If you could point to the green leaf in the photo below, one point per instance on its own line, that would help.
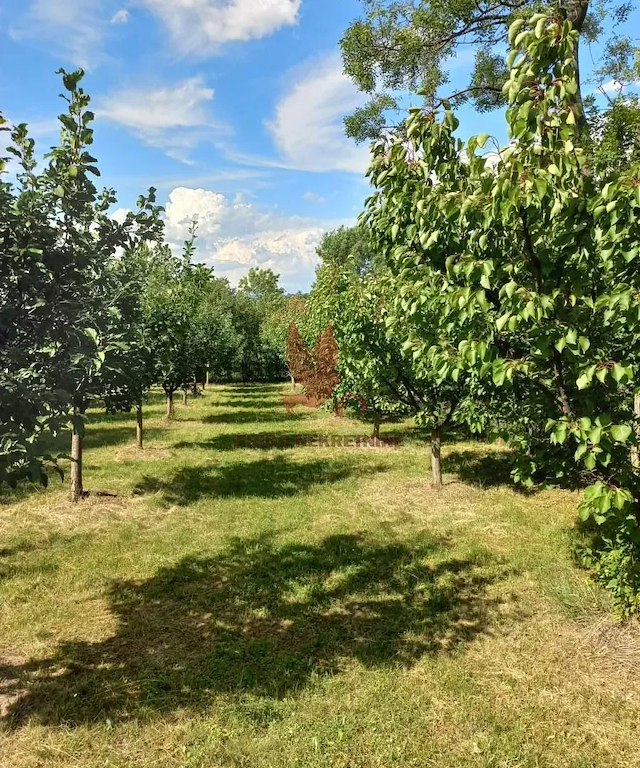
(621, 432)
(541, 186)
(618, 372)
(583, 381)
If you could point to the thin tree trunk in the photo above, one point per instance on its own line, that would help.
(206, 378)
(562, 390)
(576, 11)
(76, 466)
(293, 381)
(170, 408)
(139, 424)
(436, 465)
(376, 427)
(184, 396)
(635, 450)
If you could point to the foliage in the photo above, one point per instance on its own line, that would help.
(58, 329)
(615, 135)
(299, 358)
(401, 46)
(343, 254)
(135, 370)
(611, 551)
(277, 323)
(532, 261)
(258, 299)
(323, 378)
(168, 315)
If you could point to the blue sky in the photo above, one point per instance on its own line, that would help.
(231, 108)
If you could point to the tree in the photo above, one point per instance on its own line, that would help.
(616, 135)
(258, 298)
(343, 255)
(136, 369)
(276, 329)
(216, 336)
(535, 257)
(168, 317)
(261, 285)
(323, 378)
(299, 358)
(401, 46)
(57, 325)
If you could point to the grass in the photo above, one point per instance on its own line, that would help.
(248, 595)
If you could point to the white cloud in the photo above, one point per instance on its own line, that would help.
(71, 28)
(611, 86)
(174, 119)
(202, 26)
(120, 17)
(235, 235)
(614, 87)
(120, 214)
(75, 29)
(308, 128)
(311, 197)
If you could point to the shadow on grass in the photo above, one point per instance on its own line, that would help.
(253, 416)
(264, 478)
(102, 437)
(262, 619)
(231, 441)
(256, 402)
(484, 468)
(249, 388)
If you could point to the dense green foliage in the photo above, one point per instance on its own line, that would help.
(401, 46)
(531, 259)
(59, 334)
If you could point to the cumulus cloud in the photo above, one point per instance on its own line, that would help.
(202, 26)
(235, 235)
(120, 17)
(174, 119)
(308, 128)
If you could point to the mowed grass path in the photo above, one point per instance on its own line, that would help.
(246, 597)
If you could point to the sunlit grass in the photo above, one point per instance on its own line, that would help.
(246, 597)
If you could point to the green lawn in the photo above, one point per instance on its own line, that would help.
(244, 594)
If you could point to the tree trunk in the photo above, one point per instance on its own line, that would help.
(635, 450)
(293, 381)
(576, 12)
(170, 408)
(76, 466)
(139, 424)
(436, 465)
(185, 396)
(206, 378)
(376, 427)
